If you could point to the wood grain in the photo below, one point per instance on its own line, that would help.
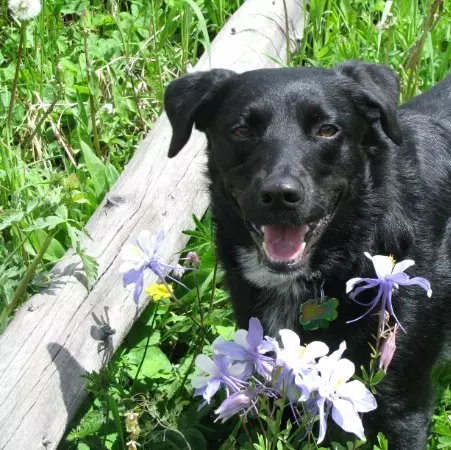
(53, 339)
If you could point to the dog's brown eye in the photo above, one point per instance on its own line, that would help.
(327, 131)
(241, 131)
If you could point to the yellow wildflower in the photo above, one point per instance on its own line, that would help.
(159, 291)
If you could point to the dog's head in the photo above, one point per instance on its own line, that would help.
(287, 147)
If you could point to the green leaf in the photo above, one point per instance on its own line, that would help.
(111, 174)
(225, 332)
(444, 442)
(75, 235)
(156, 364)
(62, 212)
(54, 251)
(382, 441)
(90, 266)
(96, 169)
(45, 223)
(10, 217)
(378, 377)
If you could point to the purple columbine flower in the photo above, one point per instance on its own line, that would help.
(216, 372)
(144, 256)
(389, 277)
(249, 346)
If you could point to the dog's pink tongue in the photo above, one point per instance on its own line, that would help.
(284, 243)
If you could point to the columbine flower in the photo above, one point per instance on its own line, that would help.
(217, 371)
(344, 399)
(296, 365)
(240, 401)
(249, 346)
(389, 276)
(388, 349)
(25, 9)
(144, 255)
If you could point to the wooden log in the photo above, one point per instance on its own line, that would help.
(54, 338)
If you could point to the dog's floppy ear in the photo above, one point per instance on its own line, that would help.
(375, 91)
(186, 100)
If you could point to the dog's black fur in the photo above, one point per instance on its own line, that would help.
(381, 184)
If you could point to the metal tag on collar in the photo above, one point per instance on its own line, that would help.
(318, 312)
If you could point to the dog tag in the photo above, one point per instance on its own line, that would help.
(318, 313)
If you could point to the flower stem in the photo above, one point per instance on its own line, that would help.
(147, 344)
(23, 28)
(213, 283)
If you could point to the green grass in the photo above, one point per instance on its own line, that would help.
(90, 85)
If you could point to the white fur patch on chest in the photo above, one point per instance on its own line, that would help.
(259, 275)
(282, 294)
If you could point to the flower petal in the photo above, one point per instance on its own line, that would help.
(133, 253)
(356, 392)
(343, 371)
(336, 355)
(199, 381)
(145, 241)
(206, 364)
(346, 417)
(241, 370)
(267, 346)
(231, 349)
(255, 336)
(418, 281)
(290, 340)
(351, 283)
(139, 286)
(240, 337)
(322, 420)
(132, 276)
(383, 265)
(403, 265)
(212, 387)
(315, 349)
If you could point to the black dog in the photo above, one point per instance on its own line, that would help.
(310, 168)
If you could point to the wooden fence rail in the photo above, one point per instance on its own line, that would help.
(51, 341)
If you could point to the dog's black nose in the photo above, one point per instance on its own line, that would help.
(282, 191)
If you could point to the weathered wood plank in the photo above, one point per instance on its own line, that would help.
(52, 340)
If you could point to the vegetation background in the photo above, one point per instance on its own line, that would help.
(80, 86)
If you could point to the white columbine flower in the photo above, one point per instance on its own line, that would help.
(25, 9)
(344, 398)
(296, 364)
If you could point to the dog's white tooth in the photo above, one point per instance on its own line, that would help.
(302, 248)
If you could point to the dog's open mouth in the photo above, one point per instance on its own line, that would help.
(286, 248)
